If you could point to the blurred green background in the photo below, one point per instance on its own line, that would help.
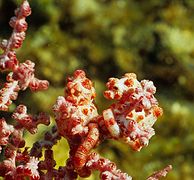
(107, 38)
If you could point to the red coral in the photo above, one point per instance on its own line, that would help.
(8, 93)
(6, 130)
(30, 170)
(28, 121)
(130, 119)
(8, 59)
(24, 74)
(161, 173)
(48, 165)
(108, 169)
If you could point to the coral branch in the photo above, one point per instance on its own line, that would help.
(30, 122)
(108, 169)
(8, 59)
(50, 139)
(48, 165)
(24, 74)
(8, 93)
(161, 173)
(30, 169)
(6, 130)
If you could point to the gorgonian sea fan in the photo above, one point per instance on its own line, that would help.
(129, 119)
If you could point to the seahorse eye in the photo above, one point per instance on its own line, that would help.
(115, 88)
